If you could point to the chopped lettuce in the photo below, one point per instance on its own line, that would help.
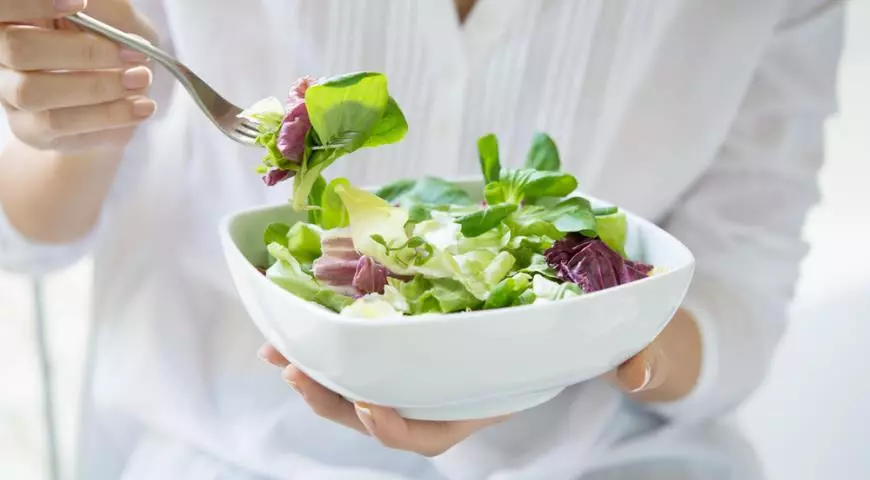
(425, 246)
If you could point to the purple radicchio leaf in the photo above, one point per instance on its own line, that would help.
(591, 264)
(370, 276)
(296, 124)
(275, 176)
(337, 266)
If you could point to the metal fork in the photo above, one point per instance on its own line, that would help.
(222, 113)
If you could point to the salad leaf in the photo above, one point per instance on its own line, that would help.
(333, 214)
(526, 184)
(332, 300)
(590, 263)
(391, 128)
(612, 231)
(369, 307)
(543, 154)
(345, 110)
(276, 233)
(490, 164)
(507, 293)
(417, 292)
(548, 290)
(540, 267)
(494, 193)
(428, 191)
(478, 223)
(498, 268)
(315, 199)
(346, 113)
(392, 192)
(372, 217)
(287, 273)
(303, 242)
(604, 211)
(452, 296)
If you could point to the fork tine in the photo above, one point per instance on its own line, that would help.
(249, 127)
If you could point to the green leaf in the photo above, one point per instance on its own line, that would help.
(604, 211)
(452, 296)
(526, 184)
(315, 199)
(288, 273)
(494, 193)
(276, 233)
(498, 268)
(303, 242)
(485, 220)
(419, 213)
(543, 154)
(540, 267)
(344, 110)
(572, 215)
(332, 300)
(333, 213)
(417, 292)
(391, 128)
(612, 230)
(490, 165)
(392, 192)
(507, 293)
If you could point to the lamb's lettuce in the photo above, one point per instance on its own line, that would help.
(490, 163)
(543, 155)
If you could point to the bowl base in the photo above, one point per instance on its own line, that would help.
(483, 409)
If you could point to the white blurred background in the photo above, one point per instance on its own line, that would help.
(811, 420)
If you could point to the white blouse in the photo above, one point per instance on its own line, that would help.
(704, 116)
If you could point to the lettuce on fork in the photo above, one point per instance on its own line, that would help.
(425, 246)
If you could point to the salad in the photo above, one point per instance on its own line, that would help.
(425, 246)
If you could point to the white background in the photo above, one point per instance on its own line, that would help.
(811, 420)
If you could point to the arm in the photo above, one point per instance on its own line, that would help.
(743, 221)
(53, 198)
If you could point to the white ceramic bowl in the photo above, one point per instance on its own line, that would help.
(462, 365)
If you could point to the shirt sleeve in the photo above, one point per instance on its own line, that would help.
(21, 255)
(744, 219)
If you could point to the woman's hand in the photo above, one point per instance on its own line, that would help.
(66, 90)
(666, 370)
(425, 438)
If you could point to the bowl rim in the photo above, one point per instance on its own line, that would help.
(406, 320)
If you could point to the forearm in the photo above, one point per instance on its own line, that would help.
(54, 198)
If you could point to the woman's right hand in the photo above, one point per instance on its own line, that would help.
(66, 90)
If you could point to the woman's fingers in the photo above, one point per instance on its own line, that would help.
(645, 371)
(322, 401)
(42, 91)
(22, 10)
(425, 438)
(50, 125)
(29, 48)
(270, 354)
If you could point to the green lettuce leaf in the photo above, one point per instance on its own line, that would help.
(612, 230)
(333, 214)
(490, 164)
(480, 222)
(543, 155)
(303, 242)
(507, 293)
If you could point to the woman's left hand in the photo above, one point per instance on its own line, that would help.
(648, 376)
(423, 437)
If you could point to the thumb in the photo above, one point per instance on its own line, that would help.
(645, 371)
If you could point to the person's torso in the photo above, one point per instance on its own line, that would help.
(638, 96)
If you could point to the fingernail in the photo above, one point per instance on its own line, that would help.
(647, 376)
(132, 56)
(136, 78)
(66, 6)
(365, 416)
(261, 353)
(144, 108)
